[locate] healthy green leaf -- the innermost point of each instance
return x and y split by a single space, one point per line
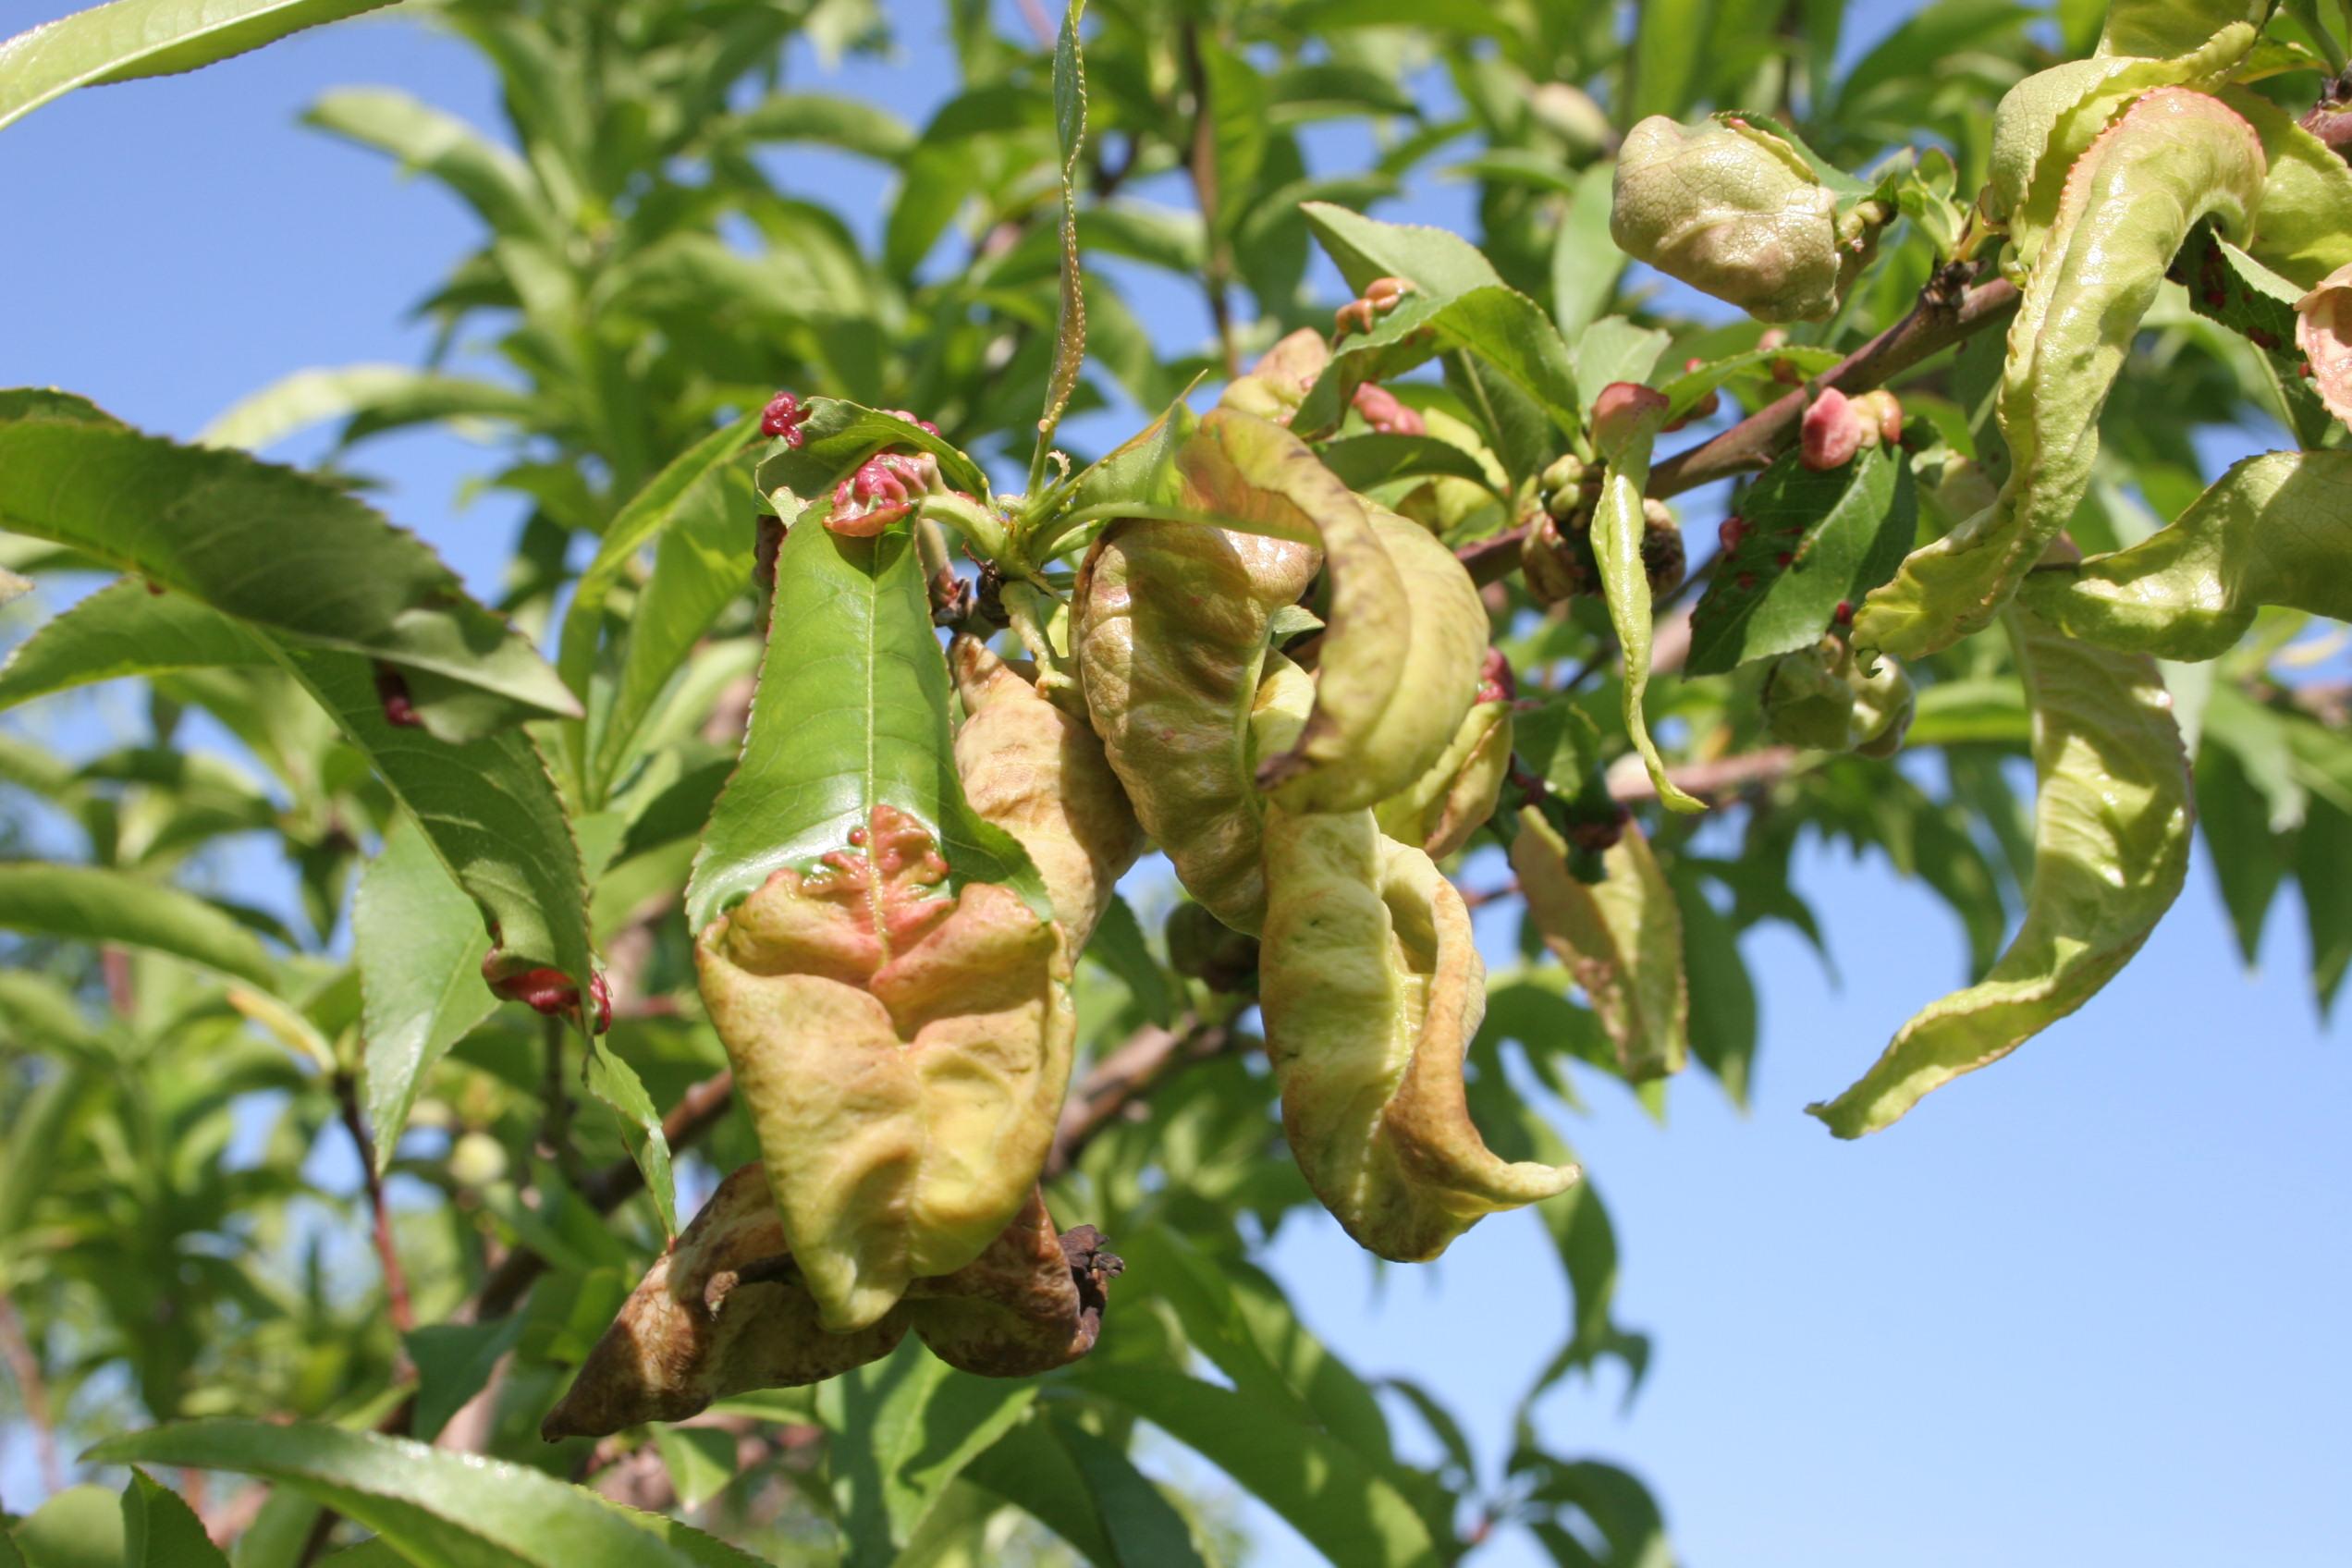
616 1083
1088 1492
160 1531
419 944
124 629
2111 821
488 178
454 1362
2274 530
438 1509
851 713
271 546
2174 159
1341 1503
854 125
1671 40
1585 262
1613 349
90 904
904 1427
1807 541
80 1527
373 397
131 39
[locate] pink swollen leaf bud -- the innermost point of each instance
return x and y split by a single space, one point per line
392 691
1622 407
1832 433
1384 413
549 992
784 416
882 491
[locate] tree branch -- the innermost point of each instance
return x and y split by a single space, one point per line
1940 319
1123 1077
397 1304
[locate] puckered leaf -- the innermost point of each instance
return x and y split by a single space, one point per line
2174 159
2274 530
2323 331
293 556
2111 820
1620 938
2304 229
1617 528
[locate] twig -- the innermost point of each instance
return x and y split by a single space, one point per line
1936 323
1724 776
1120 1079
16 1348
397 1304
555 1125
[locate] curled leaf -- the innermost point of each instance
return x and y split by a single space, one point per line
1824 698
2172 160
1625 420
1171 626
1439 810
2304 231
1279 383
2111 820
1403 635
1732 209
902 1051
2323 331
727 1310
1036 772
1620 938
2274 530
1372 989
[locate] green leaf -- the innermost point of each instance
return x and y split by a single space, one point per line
219 526
1808 541
1620 938
1613 349
160 1531
124 629
615 1082
131 39
854 125
80 1527
89 903
1119 946
1671 40
2274 530
1088 1492
2111 821
1363 461
454 1362
701 1462
488 178
2321 851
1617 532
904 1426
1069 328
419 944
1723 998
487 807
1338 1501
373 397
851 713
437 1510
1585 262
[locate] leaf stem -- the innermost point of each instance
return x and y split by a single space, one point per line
396 1303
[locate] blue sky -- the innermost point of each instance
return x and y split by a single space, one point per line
2086 1306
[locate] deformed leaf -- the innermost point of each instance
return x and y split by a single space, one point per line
276 548
2111 820
1069 131
2304 229
1626 418
2323 331
1620 938
2172 160
1804 541
2274 530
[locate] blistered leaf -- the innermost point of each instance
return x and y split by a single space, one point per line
2170 27
2274 530
1824 698
1439 810
293 556
1732 210
2323 331
1032 769
2047 122
2172 160
2111 820
1372 987
1620 938
1625 424
2304 229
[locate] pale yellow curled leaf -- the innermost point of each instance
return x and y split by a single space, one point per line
2274 530
2111 819
2323 331
1171 626
727 1310
1275 386
903 1052
1825 699
1404 634
2173 160
1439 810
2170 27
1731 210
1620 939
2046 122
2303 230
1371 988
1624 434
721 1313
1040 773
